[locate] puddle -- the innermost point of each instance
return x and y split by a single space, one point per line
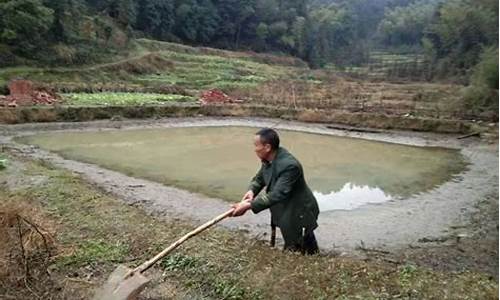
344 173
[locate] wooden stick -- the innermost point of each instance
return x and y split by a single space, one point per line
148 264
353 129
469 135
273 235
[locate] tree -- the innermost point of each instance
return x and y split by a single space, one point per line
23 24
208 20
333 35
459 32
267 11
156 17
405 25
196 21
235 15
67 17
123 11
482 94
299 32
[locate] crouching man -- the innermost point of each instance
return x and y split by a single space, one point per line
293 206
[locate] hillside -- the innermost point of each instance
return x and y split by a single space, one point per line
152 72
86 43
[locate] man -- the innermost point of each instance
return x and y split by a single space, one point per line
293 206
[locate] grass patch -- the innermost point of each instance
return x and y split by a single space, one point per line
94 251
206 71
144 45
385 65
6 73
214 283
86 99
387 57
179 262
193 69
3 162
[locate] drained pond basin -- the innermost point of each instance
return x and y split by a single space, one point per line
344 173
387 190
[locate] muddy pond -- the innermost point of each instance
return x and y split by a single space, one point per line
344 173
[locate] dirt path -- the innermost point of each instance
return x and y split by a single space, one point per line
402 224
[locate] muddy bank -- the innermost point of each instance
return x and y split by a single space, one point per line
361 119
439 215
95 232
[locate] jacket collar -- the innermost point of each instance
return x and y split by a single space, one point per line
278 154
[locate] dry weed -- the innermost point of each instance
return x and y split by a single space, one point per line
26 248
146 64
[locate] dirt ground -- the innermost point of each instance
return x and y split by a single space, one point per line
453 228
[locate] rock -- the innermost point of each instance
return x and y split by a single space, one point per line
460 236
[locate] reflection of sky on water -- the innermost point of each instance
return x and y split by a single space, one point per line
350 197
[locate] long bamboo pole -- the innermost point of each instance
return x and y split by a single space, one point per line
146 265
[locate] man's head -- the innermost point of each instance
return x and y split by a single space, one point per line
266 143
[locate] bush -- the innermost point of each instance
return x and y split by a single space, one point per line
4 90
7 58
64 54
486 71
482 94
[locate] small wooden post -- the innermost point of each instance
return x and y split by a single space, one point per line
273 235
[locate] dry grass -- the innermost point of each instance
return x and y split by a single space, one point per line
257 57
145 64
333 92
9 116
27 246
99 87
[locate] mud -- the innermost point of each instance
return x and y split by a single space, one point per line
442 215
366 119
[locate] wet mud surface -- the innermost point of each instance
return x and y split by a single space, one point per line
454 226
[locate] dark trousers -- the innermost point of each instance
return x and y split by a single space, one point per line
306 244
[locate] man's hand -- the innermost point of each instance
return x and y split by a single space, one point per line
241 208
248 196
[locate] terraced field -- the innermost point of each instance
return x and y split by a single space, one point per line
155 73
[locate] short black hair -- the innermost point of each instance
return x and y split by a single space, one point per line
269 136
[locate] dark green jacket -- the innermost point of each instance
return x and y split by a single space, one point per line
292 203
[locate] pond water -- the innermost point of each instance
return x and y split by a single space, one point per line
344 173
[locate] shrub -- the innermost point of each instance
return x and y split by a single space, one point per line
482 94
7 58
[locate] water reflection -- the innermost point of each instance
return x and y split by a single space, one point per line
350 196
